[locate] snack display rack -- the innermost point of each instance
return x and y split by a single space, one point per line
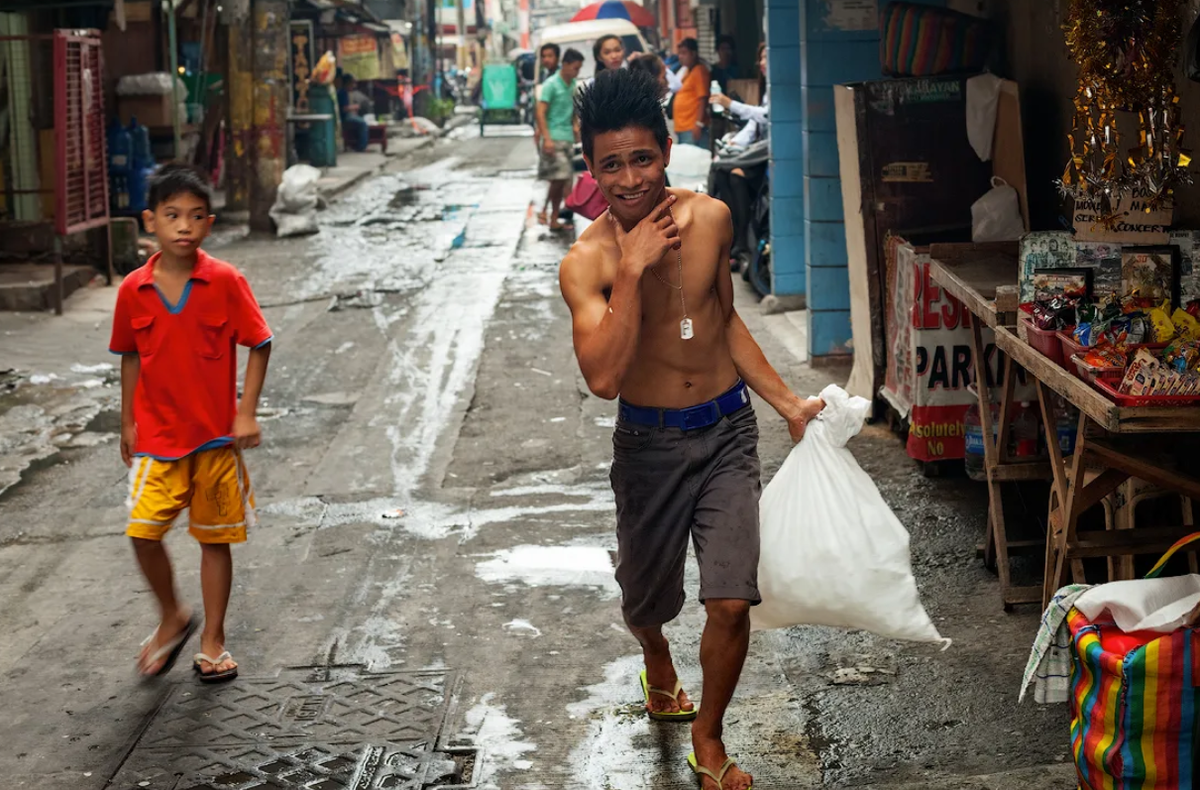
1153 438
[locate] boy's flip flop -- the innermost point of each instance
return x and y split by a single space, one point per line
701 772
170 650
679 715
214 677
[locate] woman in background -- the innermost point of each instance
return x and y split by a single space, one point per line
738 186
609 53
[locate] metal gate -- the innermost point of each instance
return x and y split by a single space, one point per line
81 172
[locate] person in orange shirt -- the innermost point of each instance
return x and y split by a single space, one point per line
177 324
691 101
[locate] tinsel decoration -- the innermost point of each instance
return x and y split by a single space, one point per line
1126 51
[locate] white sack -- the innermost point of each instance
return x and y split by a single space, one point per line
833 553
983 99
1159 605
296 201
154 84
997 215
689 165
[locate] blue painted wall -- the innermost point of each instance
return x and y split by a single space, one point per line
787 152
832 52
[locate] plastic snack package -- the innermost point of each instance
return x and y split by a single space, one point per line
1164 327
1186 323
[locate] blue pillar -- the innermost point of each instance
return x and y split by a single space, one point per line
833 51
787 153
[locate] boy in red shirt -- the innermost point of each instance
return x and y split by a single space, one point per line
177 325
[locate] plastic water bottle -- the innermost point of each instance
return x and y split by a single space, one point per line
714 88
1024 432
1066 426
973 457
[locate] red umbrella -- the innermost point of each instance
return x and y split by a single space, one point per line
616 9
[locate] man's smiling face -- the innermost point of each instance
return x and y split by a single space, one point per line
631 171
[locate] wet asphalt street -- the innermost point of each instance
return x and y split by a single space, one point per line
428 599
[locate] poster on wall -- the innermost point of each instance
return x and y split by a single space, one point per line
302 57
854 15
359 55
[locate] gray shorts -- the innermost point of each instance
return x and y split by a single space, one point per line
672 484
557 166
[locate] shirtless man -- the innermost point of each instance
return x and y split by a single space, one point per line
651 301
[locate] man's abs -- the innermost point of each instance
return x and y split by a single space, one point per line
672 373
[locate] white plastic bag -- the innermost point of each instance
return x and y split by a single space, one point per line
689 165
983 100
997 215
295 209
833 553
1160 605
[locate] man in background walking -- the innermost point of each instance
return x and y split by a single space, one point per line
556 130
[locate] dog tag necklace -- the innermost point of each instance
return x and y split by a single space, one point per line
686 330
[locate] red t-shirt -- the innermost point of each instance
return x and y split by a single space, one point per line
186 397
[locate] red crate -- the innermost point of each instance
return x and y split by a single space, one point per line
1069 347
1043 340
1109 388
1092 373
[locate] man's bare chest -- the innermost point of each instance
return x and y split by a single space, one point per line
683 282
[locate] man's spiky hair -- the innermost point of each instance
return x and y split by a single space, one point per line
619 99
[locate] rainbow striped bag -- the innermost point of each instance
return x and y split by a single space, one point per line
918 40
1134 716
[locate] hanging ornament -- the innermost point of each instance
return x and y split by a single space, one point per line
1125 50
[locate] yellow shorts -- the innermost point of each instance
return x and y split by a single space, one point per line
212 484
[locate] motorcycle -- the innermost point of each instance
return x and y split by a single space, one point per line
757 270
754 250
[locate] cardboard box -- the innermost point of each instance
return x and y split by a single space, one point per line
149 110
1136 226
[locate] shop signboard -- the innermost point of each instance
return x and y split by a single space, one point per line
1135 223
359 55
931 361
852 15
302 56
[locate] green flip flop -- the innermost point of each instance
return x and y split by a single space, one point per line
679 715
700 771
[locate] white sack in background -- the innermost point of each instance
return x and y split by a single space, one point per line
983 98
295 209
997 215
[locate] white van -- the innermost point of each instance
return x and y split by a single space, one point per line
582 36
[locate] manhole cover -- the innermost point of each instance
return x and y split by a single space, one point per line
322 728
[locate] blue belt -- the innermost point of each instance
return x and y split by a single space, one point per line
692 418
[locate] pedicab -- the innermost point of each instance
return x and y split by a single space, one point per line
498 103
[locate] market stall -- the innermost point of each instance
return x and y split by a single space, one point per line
1152 437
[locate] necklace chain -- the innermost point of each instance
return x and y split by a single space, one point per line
668 283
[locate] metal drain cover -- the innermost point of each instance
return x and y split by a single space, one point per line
320 728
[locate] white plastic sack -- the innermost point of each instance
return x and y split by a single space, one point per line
153 84
1159 605
983 100
833 553
689 165
997 215
295 209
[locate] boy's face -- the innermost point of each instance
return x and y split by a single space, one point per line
571 70
180 223
549 59
631 171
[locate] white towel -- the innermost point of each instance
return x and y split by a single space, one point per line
1049 665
